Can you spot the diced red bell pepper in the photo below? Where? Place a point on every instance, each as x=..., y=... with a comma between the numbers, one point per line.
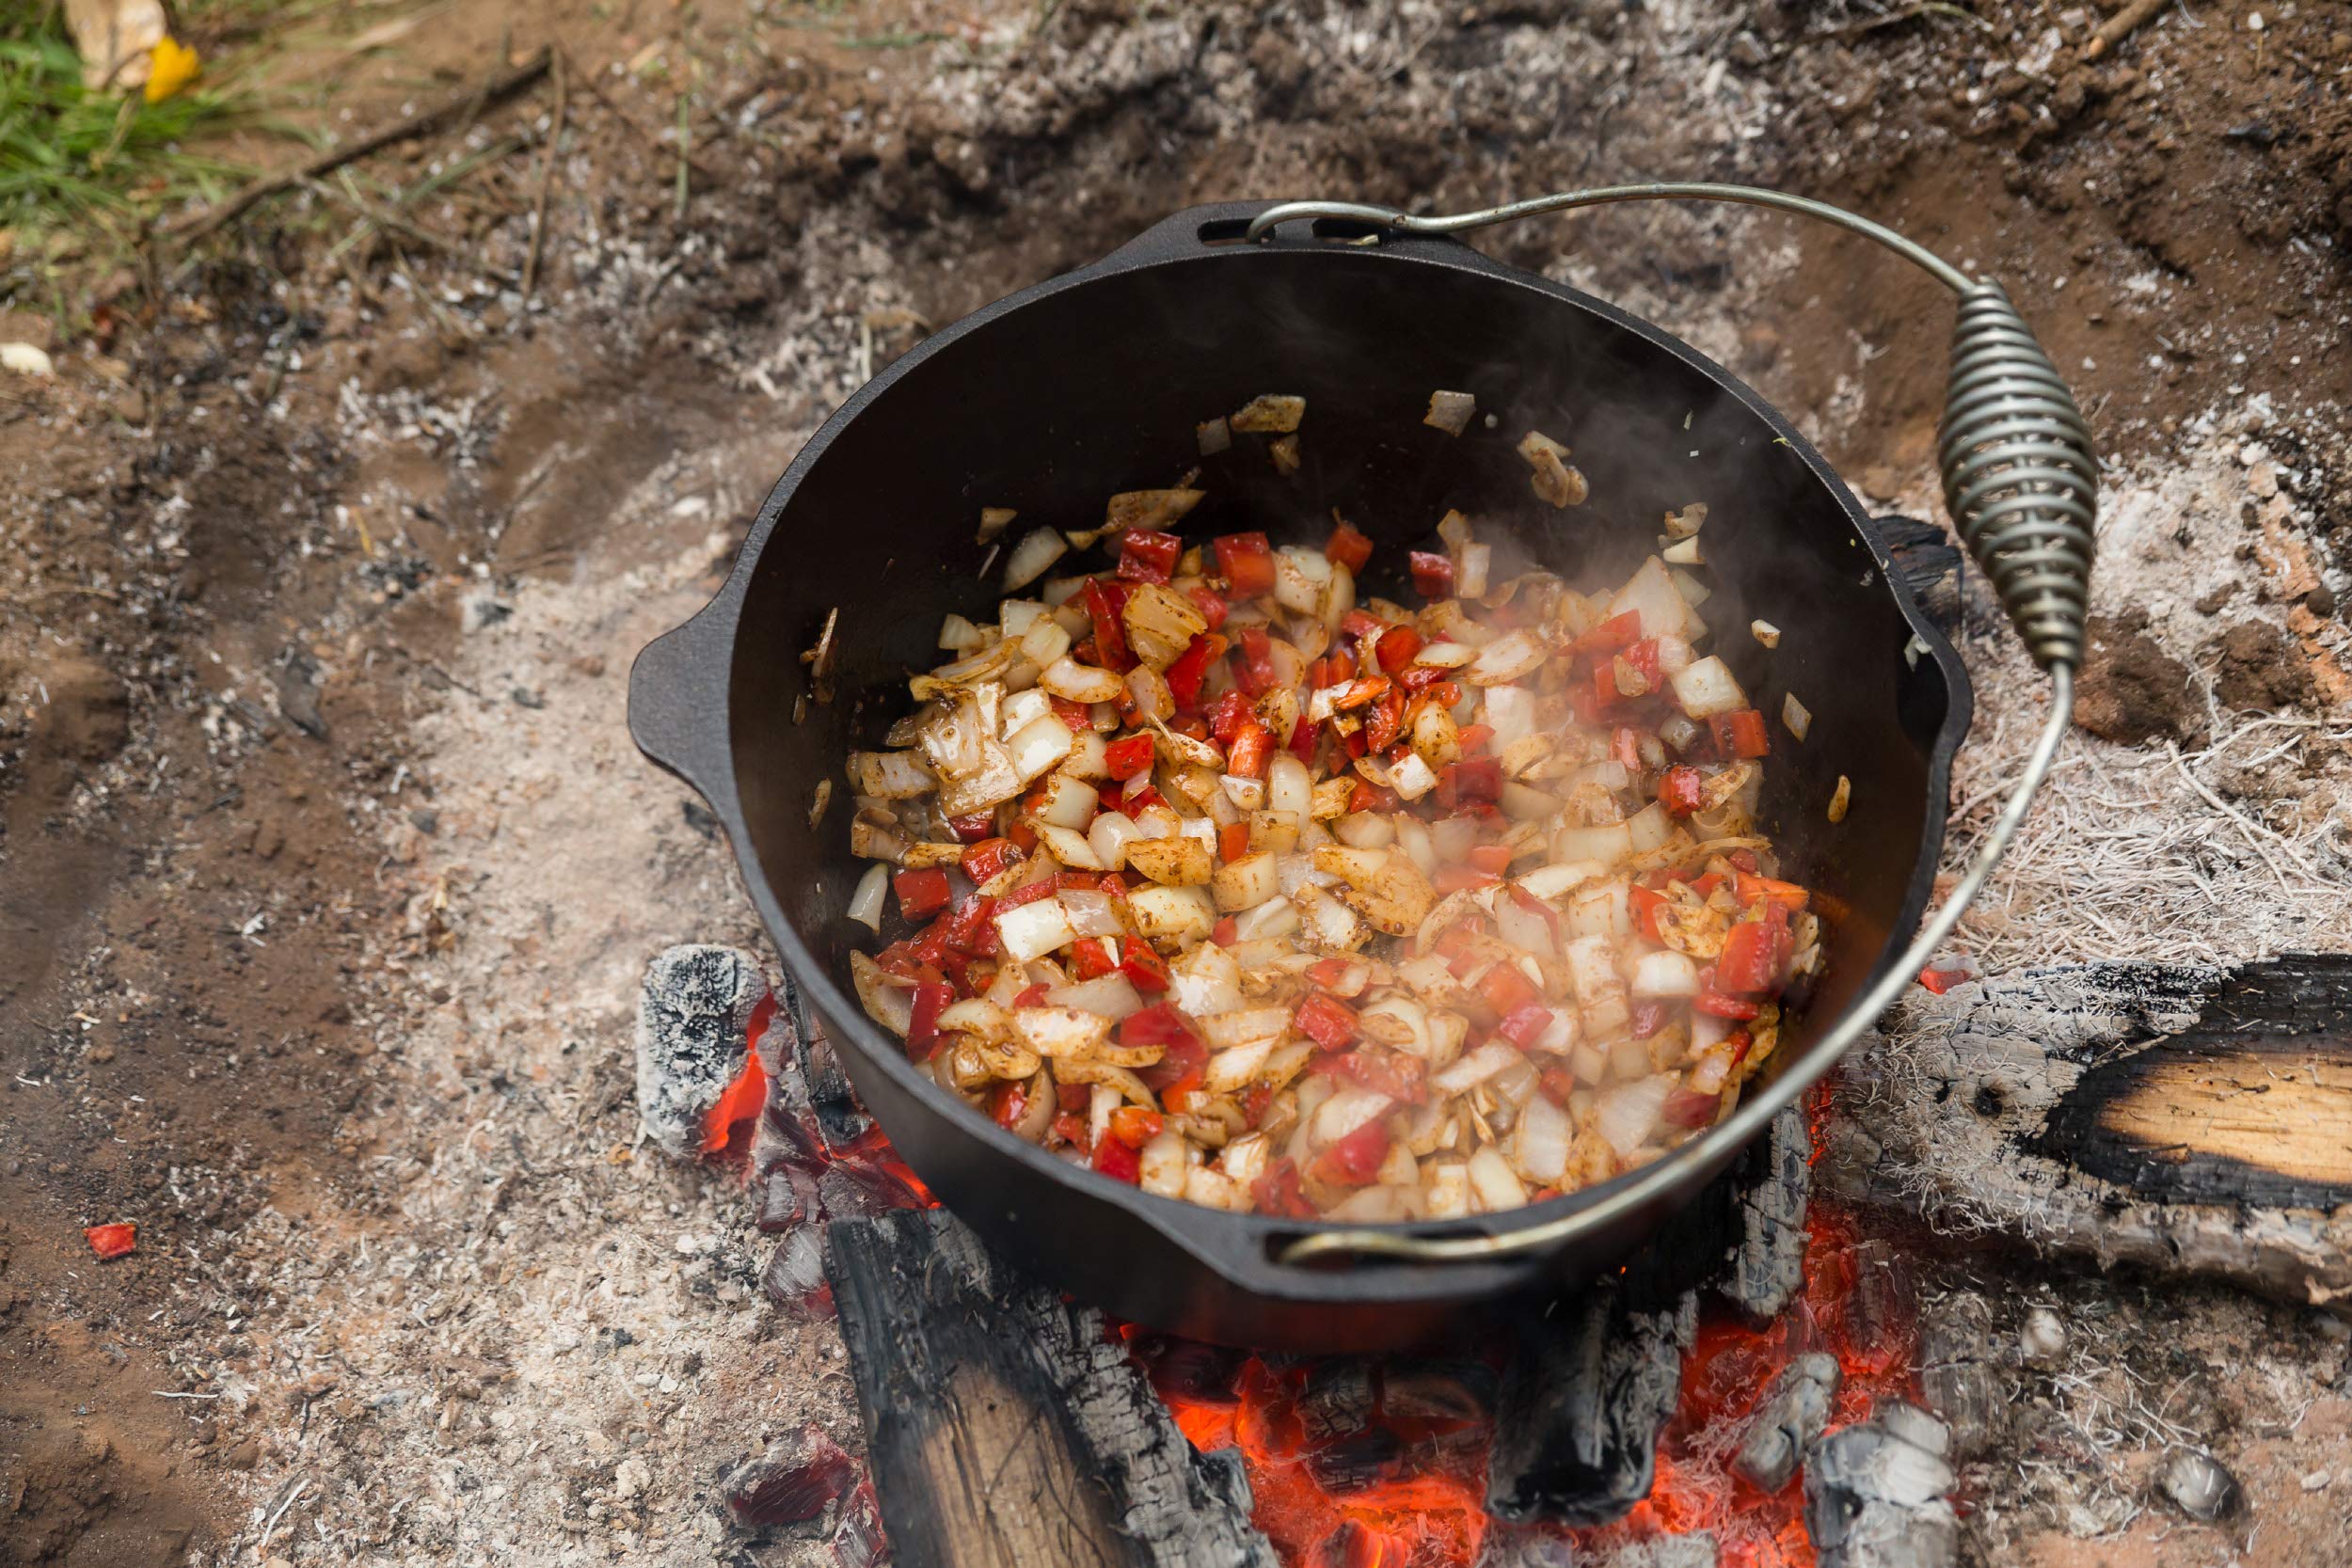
x=1257, y=674
x=1031, y=996
x=1141, y=798
x=1228, y=714
x=973, y=827
x=1681, y=791
x=1471, y=778
x=1362, y=693
x=111, y=1241
x=1741, y=733
x=1604, y=691
x=1396, y=648
x=1212, y=604
x=1525, y=1026
x=1474, y=737
x=1179, y=1068
x=1192, y=665
x=1755, y=952
x=1433, y=574
x=1008, y=1103
x=1493, y=859
x=1399, y=1074
x=1082, y=881
x=1148, y=556
x=1078, y=718
x=1716, y=1005
x=1355, y=1160
x=1689, y=1108
x=1232, y=840
x=922, y=893
x=1421, y=677
x=1092, y=958
x=1144, y=968
x=1618, y=631
x=1753, y=889
x=1332, y=668
x=970, y=926
x=1071, y=1128
x=1024, y=836
x=1624, y=748
x=1118, y=1162
x=1245, y=562
x=1363, y=625
x=1027, y=893
x=1385, y=722
x=1255, y=1102
x=1252, y=746
x=923, y=1026
x=1368, y=795
x=1277, y=1191
x=1073, y=1099
x=1348, y=547
x=1331, y=1024
x=1453, y=878
x=1327, y=972
x=1161, y=1024
x=1648, y=905
x=1642, y=656
x=1135, y=1125
x=1647, y=1018
x=1226, y=932
x=1506, y=989
x=1104, y=600
x=1128, y=757
x=1303, y=738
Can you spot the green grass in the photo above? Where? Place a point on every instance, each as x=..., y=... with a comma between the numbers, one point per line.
x=94, y=165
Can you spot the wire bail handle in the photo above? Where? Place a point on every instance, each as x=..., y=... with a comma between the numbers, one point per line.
x=2021, y=483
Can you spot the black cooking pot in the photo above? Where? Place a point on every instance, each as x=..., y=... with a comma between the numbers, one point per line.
x=1092, y=383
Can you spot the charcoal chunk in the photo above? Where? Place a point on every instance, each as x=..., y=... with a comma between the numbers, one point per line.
x=1436, y=1390
x=1336, y=1400
x=1351, y=1464
x=1957, y=1357
x=1789, y=1419
x=797, y=1269
x=1695, y=1550
x=1583, y=1399
x=787, y=1197
x=1875, y=1494
x=692, y=1019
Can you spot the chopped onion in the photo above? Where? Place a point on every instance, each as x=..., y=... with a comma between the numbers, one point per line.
x=1299, y=576
x=1067, y=802
x=1493, y=1181
x=1273, y=414
x=1232, y=1069
x=1506, y=658
x=1347, y=1109
x=1765, y=632
x=1206, y=981
x=1665, y=974
x=1091, y=913
x=1683, y=552
x=1652, y=594
x=886, y=1003
x=1471, y=570
x=1795, y=715
x=1214, y=436
x=1648, y=828
x=1609, y=842
x=1070, y=847
x=993, y=521
x=1040, y=746
x=1627, y=1113
x=1112, y=995
x=958, y=635
x=866, y=904
x=1177, y=913
x=1245, y=883
x=1289, y=786
x=1840, y=799
x=1548, y=882
x=1683, y=524
x=1695, y=594
x=1445, y=656
x=1475, y=1068
x=1450, y=411
x=1412, y=836
x=1046, y=641
x=1148, y=688
x=1510, y=713
x=1413, y=779
x=1364, y=830
x=1707, y=688
x=1539, y=1141
x=1038, y=549
x=1078, y=682
x=1276, y=917
x=1523, y=929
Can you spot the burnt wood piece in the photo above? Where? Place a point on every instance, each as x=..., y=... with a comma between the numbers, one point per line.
x=1929, y=563
x=1791, y=1418
x=1768, y=1261
x=2176, y=1117
x=822, y=1083
x=1004, y=1429
x=1584, y=1395
x=1959, y=1369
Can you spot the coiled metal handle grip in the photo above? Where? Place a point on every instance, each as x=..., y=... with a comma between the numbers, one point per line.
x=2021, y=482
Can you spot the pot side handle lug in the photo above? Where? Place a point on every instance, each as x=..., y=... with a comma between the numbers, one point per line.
x=677, y=712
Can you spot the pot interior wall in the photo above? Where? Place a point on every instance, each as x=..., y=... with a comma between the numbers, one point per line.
x=1052, y=406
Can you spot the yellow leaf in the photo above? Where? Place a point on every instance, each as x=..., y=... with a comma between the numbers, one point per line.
x=173, y=66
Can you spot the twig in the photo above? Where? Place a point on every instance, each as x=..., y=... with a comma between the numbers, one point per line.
x=685, y=151
x=502, y=86
x=2245, y=828
x=1896, y=19
x=270, y=1529
x=2119, y=26
x=546, y=177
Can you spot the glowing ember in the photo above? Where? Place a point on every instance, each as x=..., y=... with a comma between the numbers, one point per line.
x=748, y=1092
x=111, y=1241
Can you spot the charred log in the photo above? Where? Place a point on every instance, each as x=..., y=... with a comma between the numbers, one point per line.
x=1005, y=1429
x=1768, y=1261
x=2169, y=1117
x=1959, y=1374
x=1585, y=1397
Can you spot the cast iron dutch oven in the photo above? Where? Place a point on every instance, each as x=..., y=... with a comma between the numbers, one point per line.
x=1092, y=383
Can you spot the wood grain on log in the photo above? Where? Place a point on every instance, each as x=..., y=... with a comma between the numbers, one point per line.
x=2176, y=1118
x=1006, y=1429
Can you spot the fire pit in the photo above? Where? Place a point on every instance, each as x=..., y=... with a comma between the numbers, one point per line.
x=1675, y=1416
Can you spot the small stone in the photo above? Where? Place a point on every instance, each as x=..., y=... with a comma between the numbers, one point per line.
x=425, y=821
x=630, y=1478
x=2043, y=1338
x=482, y=609
x=2199, y=1485
x=2317, y=1480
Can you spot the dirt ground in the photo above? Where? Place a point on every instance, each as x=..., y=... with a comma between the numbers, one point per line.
x=328, y=871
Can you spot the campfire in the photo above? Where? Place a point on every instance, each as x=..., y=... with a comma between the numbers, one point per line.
x=1749, y=1393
